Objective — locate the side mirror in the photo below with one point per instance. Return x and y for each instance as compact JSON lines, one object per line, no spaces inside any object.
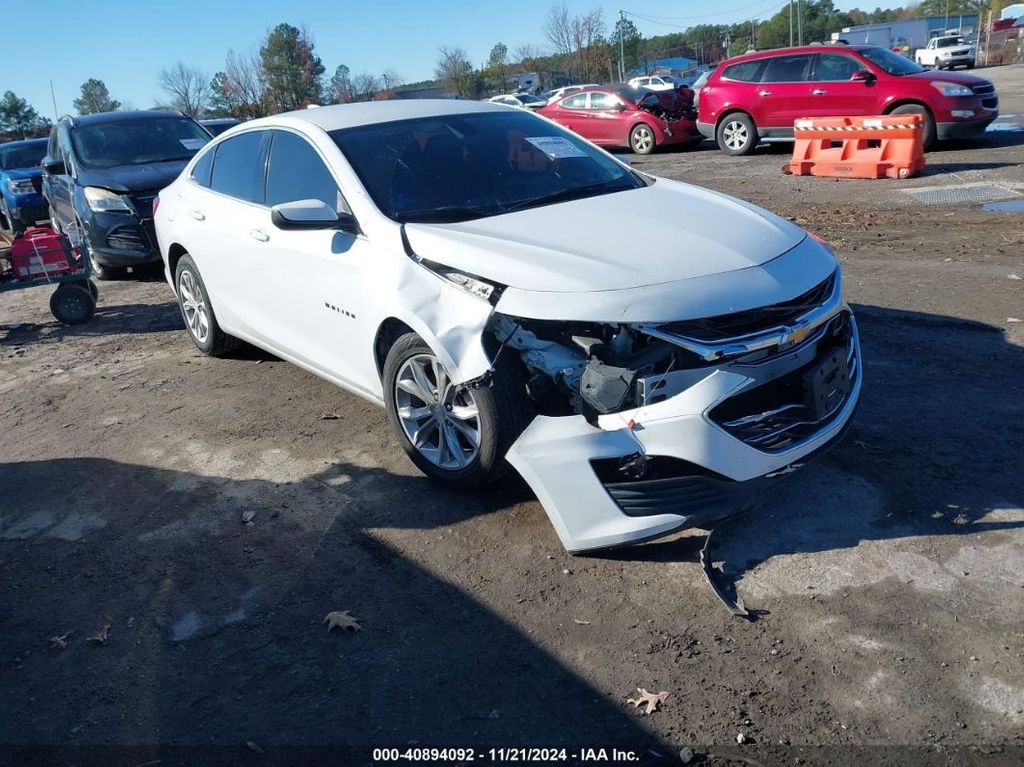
{"x":620,"y":107}
{"x":55,"y":168}
{"x":311,"y":214}
{"x":865,"y":76}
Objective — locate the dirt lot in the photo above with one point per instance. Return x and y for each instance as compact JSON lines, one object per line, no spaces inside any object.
{"x":888,"y":579}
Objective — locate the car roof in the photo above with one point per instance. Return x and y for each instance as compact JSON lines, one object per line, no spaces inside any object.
{"x":105,"y":118}
{"x":24,"y":142}
{"x":836,"y":48}
{"x":340,"y":116}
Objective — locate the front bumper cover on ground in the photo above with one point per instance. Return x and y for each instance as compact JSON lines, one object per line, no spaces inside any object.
{"x":713,"y":474}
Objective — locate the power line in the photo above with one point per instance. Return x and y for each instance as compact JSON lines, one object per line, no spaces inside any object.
{"x":659,"y":19}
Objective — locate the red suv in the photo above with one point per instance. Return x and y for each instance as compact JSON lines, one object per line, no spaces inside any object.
{"x":757,"y":97}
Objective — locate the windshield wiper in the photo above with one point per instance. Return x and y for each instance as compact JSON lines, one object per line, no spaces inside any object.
{"x":445,"y":214}
{"x":575,"y":193}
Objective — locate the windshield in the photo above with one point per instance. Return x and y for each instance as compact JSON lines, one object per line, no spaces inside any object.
{"x":460,"y":167}
{"x":22,"y":156}
{"x":892,"y":63}
{"x":526,"y":98}
{"x":138,"y":142}
{"x":949,"y":42}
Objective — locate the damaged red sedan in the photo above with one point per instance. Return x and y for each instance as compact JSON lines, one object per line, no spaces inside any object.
{"x":620,"y":116}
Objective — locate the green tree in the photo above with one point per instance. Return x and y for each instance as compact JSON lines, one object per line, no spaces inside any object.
{"x":95,"y":98}
{"x":294,"y":74}
{"x":17,"y":117}
{"x":954,"y":7}
{"x":340,"y":90}
{"x":221,"y":102}
{"x":454,"y":69}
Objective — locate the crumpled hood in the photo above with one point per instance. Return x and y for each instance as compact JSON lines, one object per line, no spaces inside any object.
{"x":132,"y":178}
{"x":662,"y":233}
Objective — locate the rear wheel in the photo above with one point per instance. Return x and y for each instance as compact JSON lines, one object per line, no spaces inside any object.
{"x":455,"y":434}
{"x":197,"y":312}
{"x":641,"y":139}
{"x":929,"y":121}
{"x":737,"y":134}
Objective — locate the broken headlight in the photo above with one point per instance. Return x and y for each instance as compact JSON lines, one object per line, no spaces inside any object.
{"x":470,"y":283}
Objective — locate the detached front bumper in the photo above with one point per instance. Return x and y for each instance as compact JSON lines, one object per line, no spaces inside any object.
{"x":693,"y":458}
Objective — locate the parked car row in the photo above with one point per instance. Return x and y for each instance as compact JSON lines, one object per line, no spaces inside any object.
{"x":21,"y":199}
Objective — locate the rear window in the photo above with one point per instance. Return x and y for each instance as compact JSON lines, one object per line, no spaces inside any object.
{"x":23,"y":156}
{"x":203,"y":168}
{"x":141,"y":141}
{"x":745,"y":72}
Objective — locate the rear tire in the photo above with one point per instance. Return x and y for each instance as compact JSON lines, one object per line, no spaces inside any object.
{"x":929,"y":121}
{"x":737,"y":134}
{"x":196,"y":310}
{"x":482,"y":422}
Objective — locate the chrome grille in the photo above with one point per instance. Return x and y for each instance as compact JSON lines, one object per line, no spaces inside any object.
{"x":984,"y":90}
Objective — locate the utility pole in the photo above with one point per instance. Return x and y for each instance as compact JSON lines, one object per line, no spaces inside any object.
{"x":945,"y":24}
{"x":988,"y":35}
{"x":753,"y":42}
{"x":56,"y":116}
{"x":799,"y":25}
{"x":622,"y":47}
{"x":790,"y":23}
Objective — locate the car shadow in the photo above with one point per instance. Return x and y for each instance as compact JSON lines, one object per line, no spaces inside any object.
{"x":218,"y":631}
{"x":932,"y":451}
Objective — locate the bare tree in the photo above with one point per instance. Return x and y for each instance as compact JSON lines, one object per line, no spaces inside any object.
{"x":390,"y":79}
{"x":365,"y":86}
{"x":188,"y":88}
{"x":244,"y":80}
{"x":578,"y":39}
{"x":558,"y":30}
{"x":454,"y":69}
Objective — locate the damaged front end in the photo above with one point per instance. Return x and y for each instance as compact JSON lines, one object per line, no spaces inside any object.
{"x":644,"y":429}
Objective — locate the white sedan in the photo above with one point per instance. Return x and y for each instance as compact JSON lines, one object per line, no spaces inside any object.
{"x":524,"y":100}
{"x":645,"y":353}
{"x":653,"y":83}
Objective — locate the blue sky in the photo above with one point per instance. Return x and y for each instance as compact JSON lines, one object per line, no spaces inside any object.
{"x":126,"y":44}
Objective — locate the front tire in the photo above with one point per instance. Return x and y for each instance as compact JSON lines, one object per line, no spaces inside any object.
{"x":456,"y":435}
{"x":737,"y":134}
{"x":200,"y":321}
{"x":929,"y":121}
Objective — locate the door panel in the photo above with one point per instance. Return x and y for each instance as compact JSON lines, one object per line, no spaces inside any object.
{"x":833,"y":94}
{"x":605,"y":124}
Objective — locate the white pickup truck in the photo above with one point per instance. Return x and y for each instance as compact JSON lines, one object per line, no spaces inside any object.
{"x":946,"y":53}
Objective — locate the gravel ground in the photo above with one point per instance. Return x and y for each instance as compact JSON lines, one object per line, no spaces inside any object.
{"x":214,"y":511}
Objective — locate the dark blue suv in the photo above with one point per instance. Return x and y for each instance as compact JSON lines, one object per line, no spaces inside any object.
{"x":21,"y":200}
{"x":101,"y":175}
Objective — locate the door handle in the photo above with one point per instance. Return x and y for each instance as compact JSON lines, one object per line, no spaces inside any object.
{"x":197,"y":215}
{"x":764,"y":93}
{"x":259,"y":234}
{"x":819,"y":92}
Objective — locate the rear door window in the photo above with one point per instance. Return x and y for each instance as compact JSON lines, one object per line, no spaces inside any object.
{"x":239,"y":165}
{"x":579,"y":101}
{"x":745,"y":72}
{"x":789,"y":69}
{"x":297,"y":172}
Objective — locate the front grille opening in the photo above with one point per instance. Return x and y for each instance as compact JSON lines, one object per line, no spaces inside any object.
{"x":779,"y":414}
{"x":763,"y":318}
{"x":127,"y":238}
{"x":668,"y":486}
{"x":623,"y":470}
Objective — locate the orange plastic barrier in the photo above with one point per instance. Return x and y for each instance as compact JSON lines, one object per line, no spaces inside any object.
{"x":887,"y":146}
